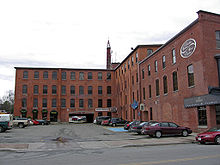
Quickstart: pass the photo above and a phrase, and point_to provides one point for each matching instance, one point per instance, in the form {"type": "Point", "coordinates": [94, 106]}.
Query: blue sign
{"type": "Point", "coordinates": [134, 105]}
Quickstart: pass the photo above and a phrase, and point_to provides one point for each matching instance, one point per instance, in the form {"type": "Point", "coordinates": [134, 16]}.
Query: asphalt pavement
{"type": "Point", "coordinates": [125, 139]}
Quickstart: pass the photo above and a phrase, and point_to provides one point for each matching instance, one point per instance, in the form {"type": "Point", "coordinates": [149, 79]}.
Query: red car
{"type": "Point", "coordinates": [212, 135]}
{"type": "Point", "coordinates": [35, 122]}
{"type": "Point", "coordinates": [165, 128]}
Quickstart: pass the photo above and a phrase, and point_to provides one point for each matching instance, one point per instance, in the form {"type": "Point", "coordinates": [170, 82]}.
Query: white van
{"type": "Point", "coordinates": [8, 118]}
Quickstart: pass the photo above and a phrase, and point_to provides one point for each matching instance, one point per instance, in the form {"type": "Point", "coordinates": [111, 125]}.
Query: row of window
{"type": "Point", "coordinates": [63, 103]}
{"type": "Point", "coordinates": [191, 83]}
{"type": "Point", "coordinates": [63, 90]}
{"type": "Point", "coordinates": [64, 75]}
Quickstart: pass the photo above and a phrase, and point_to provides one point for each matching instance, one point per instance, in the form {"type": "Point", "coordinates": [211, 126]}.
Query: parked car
{"type": "Point", "coordinates": [43, 122]}
{"type": "Point", "coordinates": [99, 119]}
{"type": "Point", "coordinates": [21, 122]}
{"type": "Point", "coordinates": [129, 124]}
{"type": "Point", "coordinates": [105, 122]}
{"type": "Point", "coordinates": [139, 127]}
{"type": "Point", "coordinates": [7, 118]}
{"type": "Point", "coordinates": [166, 128]}
{"type": "Point", "coordinates": [212, 135]}
{"type": "Point", "coordinates": [117, 122]}
{"type": "Point", "coordinates": [35, 122]}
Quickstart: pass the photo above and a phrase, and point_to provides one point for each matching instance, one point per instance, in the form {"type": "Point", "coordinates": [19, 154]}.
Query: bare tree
{"type": "Point", "coordinates": [7, 102]}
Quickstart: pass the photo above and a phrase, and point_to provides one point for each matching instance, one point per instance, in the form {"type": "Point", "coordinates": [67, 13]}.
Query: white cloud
{"type": "Point", "coordinates": [71, 33]}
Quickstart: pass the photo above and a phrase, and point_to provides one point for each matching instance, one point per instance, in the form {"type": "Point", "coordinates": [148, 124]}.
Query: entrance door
{"type": "Point", "coordinates": [53, 116]}
{"type": "Point", "coordinates": [202, 116]}
{"type": "Point", "coordinates": [217, 114]}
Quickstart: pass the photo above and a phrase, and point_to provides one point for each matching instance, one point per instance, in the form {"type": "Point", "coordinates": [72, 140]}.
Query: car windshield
{"type": "Point", "coordinates": [214, 130]}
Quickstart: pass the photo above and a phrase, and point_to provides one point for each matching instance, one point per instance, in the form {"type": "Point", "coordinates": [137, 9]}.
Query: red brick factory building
{"type": "Point", "coordinates": [178, 81]}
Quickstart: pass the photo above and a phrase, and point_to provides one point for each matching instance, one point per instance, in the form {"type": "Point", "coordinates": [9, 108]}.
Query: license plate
{"type": "Point", "coordinates": [199, 139]}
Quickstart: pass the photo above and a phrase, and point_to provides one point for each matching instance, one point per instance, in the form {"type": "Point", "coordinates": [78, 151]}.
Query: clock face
{"type": "Point", "coordinates": [188, 48]}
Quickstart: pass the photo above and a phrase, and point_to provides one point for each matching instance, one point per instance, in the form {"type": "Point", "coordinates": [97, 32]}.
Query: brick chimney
{"type": "Point", "coordinates": [108, 59]}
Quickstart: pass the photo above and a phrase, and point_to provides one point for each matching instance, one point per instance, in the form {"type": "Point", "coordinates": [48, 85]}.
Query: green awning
{"type": "Point", "coordinates": [23, 111]}
{"type": "Point", "coordinates": [44, 111]}
{"type": "Point", "coordinates": [35, 111]}
{"type": "Point", "coordinates": [54, 112]}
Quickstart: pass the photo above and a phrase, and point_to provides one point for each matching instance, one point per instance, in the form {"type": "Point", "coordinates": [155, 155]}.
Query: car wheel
{"type": "Point", "coordinates": [217, 140]}
{"type": "Point", "coordinates": [158, 134]}
{"type": "Point", "coordinates": [21, 125]}
{"type": "Point", "coordinates": [2, 129]}
{"type": "Point", "coordinates": [202, 142]}
{"type": "Point", "coordinates": [113, 125]}
{"type": "Point", "coordinates": [42, 124]}
{"type": "Point", "coordinates": [185, 133]}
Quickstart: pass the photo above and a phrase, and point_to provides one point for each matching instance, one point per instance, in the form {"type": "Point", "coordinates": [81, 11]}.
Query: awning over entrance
{"type": "Point", "coordinates": [196, 101]}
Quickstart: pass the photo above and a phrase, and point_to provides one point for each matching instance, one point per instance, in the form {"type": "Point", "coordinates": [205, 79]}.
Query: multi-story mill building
{"type": "Point", "coordinates": [177, 81]}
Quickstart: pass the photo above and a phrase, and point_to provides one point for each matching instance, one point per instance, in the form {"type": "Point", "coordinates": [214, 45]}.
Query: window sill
{"type": "Point", "coordinates": [191, 87]}
{"type": "Point", "coordinates": [203, 126]}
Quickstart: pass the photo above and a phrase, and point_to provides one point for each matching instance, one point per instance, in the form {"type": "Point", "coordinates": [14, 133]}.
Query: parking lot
{"type": "Point", "coordinates": [87, 135]}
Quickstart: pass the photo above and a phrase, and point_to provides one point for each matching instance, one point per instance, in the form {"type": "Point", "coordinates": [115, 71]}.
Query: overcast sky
{"type": "Point", "coordinates": [74, 33]}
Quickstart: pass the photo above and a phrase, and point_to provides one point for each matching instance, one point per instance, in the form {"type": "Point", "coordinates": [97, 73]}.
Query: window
{"type": "Point", "coordinates": [99, 103]}
{"type": "Point", "coordinates": [108, 76]}
{"type": "Point", "coordinates": [128, 64]}
{"type": "Point", "coordinates": [165, 84]}
{"type": "Point", "coordinates": [63, 103]}
{"type": "Point", "coordinates": [149, 52]}
{"type": "Point", "coordinates": [90, 104]}
{"type": "Point", "coordinates": [132, 60]}
{"type": "Point", "coordinates": [35, 103]}
{"type": "Point", "coordinates": [72, 75]}
{"type": "Point", "coordinates": [90, 76]}
{"type": "Point", "coordinates": [133, 96]}
{"type": "Point", "coordinates": [24, 102]}
{"type": "Point", "coordinates": [44, 102]}
{"type": "Point", "coordinates": [54, 75]}
{"type": "Point", "coordinates": [25, 74]}
{"type": "Point", "coordinates": [35, 89]}
{"type": "Point", "coordinates": [148, 68]}
{"type": "Point", "coordinates": [54, 103]}
{"type": "Point", "coordinates": [136, 77]}
{"type": "Point", "coordinates": [54, 89]}
{"type": "Point", "coordinates": [36, 75]}
{"type": "Point", "coordinates": [81, 103]}
{"type": "Point", "coordinates": [175, 81]}
{"type": "Point", "coordinates": [157, 88]}
{"type": "Point", "coordinates": [109, 103]}
{"type": "Point", "coordinates": [134, 114]}
{"type": "Point", "coordinates": [202, 116]}
{"type": "Point", "coordinates": [190, 75]}
{"type": "Point", "coordinates": [89, 90]}
{"type": "Point", "coordinates": [144, 93]}
{"type": "Point", "coordinates": [45, 75]}
{"type": "Point", "coordinates": [125, 67]}
{"type": "Point", "coordinates": [217, 33]}
{"type": "Point", "coordinates": [151, 113]}
{"type": "Point", "coordinates": [173, 56]}
{"type": "Point", "coordinates": [156, 66]}
{"type": "Point", "coordinates": [24, 89]}
{"type": "Point", "coordinates": [136, 57]}
{"type": "Point", "coordinates": [45, 89]}
{"type": "Point", "coordinates": [63, 75]}
{"type": "Point", "coordinates": [149, 91]}
{"type": "Point", "coordinates": [72, 90]}
{"type": "Point", "coordinates": [109, 90]}
{"type": "Point", "coordinates": [99, 90]}
{"type": "Point", "coordinates": [143, 74]}
{"type": "Point", "coordinates": [72, 103]}
{"type": "Point", "coordinates": [81, 90]}
{"type": "Point", "coordinates": [63, 89]}
{"type": "Point", "coordinates": [81, 75]}
{"type": "Point", "coordinates": [122, 70]}
{"type": "Point", "coordinates": [100, 76]}
{"type": "Point", "coordinates": [164, 62]}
